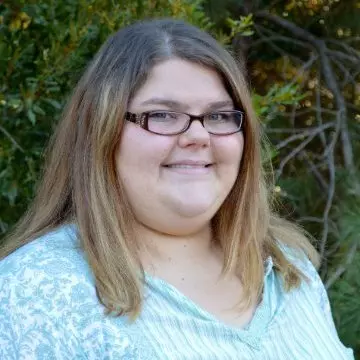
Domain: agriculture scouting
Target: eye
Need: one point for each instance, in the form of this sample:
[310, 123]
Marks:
[162, 116]
[218, 116]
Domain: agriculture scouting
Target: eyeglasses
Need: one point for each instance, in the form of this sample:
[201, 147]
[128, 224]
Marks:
[173, 123]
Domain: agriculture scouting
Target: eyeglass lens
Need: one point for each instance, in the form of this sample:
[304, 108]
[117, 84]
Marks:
[167, 122]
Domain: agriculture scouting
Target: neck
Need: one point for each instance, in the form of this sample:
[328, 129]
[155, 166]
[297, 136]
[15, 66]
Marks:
[161, 250]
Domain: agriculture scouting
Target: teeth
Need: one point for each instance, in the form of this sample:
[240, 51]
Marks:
[183, 166]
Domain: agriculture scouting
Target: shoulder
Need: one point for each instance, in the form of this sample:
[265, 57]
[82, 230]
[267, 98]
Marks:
[311, 285]
[60, 245]
[48, 302]
[309, 304]
[300, 260]
[46, 269]
[38, 282]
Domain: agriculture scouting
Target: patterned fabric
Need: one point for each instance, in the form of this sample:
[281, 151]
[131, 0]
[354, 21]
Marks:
[49, 310]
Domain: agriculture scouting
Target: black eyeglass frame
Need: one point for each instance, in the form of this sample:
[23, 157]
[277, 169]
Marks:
[143, 118]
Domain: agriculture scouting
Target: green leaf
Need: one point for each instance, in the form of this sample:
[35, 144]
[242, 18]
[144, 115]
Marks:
[31, 116]
[12, 194]
[53, 103]
[38, 110]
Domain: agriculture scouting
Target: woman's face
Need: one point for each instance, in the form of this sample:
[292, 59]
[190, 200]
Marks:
[168, 187]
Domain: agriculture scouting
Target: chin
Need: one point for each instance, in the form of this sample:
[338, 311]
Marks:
[201, 209]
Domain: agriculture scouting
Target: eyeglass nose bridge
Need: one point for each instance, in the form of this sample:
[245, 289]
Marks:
[192, 118]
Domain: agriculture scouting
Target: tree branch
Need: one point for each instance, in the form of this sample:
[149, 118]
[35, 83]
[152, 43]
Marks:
[342, 267]
[349, 49]
[329, 78]
[312, 132]
[292, 154]
[280, 38]
[313, 169]
[277, 48]
[347, 76]
[319, 110]
[14, 142]
[342, 56]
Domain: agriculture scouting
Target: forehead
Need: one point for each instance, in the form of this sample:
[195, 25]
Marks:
[188, 83]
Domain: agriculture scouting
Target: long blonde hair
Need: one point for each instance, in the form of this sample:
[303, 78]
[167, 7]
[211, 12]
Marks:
[79, 184]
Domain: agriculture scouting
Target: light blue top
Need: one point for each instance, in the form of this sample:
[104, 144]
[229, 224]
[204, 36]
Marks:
[49, 310]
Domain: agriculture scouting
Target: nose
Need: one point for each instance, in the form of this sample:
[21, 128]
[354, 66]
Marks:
[195, 135]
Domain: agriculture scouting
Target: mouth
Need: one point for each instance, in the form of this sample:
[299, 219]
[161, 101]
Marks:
[189, 169]
[188, 166]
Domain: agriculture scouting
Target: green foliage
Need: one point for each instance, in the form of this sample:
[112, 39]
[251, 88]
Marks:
[243, 27]
[292, 97]
[346, 303]
[345, 293]
[44, 47]
[268, 105]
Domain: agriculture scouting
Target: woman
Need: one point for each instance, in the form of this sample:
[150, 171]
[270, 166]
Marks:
[151, 236]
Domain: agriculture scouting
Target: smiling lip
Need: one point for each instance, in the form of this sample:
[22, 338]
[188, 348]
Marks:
[190, 167]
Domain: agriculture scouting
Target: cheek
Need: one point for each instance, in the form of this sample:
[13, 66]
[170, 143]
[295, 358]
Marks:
[141, 152]
[229, 150]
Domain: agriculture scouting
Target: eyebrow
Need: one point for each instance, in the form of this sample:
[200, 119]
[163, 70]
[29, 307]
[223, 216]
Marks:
[173, 104]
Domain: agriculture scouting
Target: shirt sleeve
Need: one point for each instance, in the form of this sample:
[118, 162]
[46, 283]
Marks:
[302, 262]
[320, 293]
[317, 294]
[322, 299]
